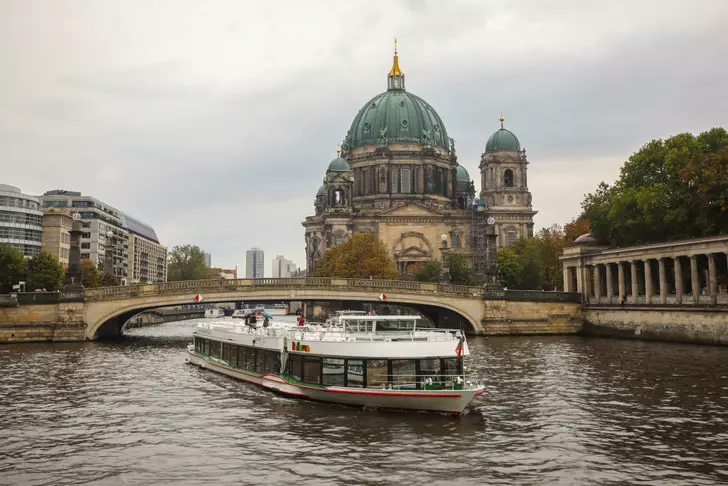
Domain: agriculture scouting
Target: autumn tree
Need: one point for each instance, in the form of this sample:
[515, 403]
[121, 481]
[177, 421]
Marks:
[45, 272]
[186, 262]
[90, 274]
[13, 267]
[361, 256]
[669, 189]
[458, 266]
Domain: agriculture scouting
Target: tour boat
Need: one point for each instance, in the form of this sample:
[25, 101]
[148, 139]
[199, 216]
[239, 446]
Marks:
[214, 312]
[384, 362]
[335, 320]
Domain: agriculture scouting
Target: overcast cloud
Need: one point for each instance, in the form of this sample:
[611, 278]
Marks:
[215, 121]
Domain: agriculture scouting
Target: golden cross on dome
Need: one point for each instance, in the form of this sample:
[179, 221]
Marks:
[501, 120]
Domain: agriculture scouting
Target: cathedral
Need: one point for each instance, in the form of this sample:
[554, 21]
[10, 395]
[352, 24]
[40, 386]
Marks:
[397, 176]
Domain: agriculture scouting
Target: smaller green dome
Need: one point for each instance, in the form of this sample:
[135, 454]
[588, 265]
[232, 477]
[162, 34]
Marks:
[462, 174]
[502, 140]
[338, 165]
[321, 191]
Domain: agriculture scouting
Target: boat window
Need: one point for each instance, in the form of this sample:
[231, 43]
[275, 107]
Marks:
[250, 359]
[386, 325]
[260, 360]
[206, 347]
[334, 372]
[233, 356]
[404, 373]
[312, 369]
[355, 373]
[376, 373]
[429, 368]
[451, 366]
[272, 362]
[226, 352]
[216, 349]
[294, 366]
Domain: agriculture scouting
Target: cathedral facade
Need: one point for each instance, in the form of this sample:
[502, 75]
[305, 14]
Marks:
[397, 176]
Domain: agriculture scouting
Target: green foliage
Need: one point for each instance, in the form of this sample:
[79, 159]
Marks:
[45, 272]
[361, 256]
[458, 265]
[429, 272]
[13, 268]
[186, 262]
[533, 263]
[669, 189]
[90, 274]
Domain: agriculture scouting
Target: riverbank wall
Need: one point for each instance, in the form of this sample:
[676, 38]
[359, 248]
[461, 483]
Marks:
[528, 318]
[707, 325]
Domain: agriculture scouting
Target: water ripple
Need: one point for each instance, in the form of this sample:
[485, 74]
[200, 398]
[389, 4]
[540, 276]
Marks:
[559, 410]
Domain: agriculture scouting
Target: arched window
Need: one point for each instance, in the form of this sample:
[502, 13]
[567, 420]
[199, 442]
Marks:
[339, 198]
[508, 178]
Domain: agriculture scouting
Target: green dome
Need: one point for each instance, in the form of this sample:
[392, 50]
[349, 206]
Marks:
[397, 116]
[338, 165]
[462, 174]
[321, 191]
[502, 140]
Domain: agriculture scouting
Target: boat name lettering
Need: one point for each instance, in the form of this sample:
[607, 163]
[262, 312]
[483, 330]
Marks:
[300, 347]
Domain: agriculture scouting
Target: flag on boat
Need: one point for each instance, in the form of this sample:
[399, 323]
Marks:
[459, 347]
[198, 298]
[382, 297]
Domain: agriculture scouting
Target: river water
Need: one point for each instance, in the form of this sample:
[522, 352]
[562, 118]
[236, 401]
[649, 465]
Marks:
[557, 410]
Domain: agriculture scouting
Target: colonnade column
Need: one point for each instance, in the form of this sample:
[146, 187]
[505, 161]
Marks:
[610, 287]
[663, 280]
[678, 280]
[695, 282]
[712, 281]
[567, 280]
[597, 283]
[635, 287]
[580, 279]
[648, 282]
[620, 280]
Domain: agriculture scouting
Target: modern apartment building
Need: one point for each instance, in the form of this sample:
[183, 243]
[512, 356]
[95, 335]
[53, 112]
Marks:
[21, 221]
[254, 264]
[57, 224]
[208, 260]
[282, 267]
[147, 257]
[103, 226]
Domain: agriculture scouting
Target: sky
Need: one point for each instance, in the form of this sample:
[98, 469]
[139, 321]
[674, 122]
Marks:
[214, 121]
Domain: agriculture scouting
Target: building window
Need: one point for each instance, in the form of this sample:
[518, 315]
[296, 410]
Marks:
[510, 237]
[508, 178]
[338, 238]
[456, 240]
[374, 187]
[365, 176]
[406, 181]
[85, 246]
[395, 180]
[416, 180]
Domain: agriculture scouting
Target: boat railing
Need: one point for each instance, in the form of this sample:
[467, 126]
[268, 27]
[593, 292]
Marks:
[437, 381]
[328, 334]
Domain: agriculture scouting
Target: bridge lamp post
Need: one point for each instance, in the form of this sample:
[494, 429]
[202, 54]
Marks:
[111, 243]
[445, 261]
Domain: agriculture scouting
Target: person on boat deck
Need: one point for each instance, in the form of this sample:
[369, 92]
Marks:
[253, 320]
[266, 322]
[300, 320]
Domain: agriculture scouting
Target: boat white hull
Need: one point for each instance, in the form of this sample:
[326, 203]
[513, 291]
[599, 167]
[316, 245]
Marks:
[443, 401]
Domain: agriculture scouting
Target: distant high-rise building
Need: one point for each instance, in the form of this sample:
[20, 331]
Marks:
[282, 267]
[21, 221]
[254, 265]
[208, 260]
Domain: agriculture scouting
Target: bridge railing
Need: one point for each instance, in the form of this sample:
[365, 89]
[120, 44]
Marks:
[221, 285]
[543, 296]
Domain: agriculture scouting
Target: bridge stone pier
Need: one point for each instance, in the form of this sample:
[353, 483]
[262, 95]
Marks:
[103, 312]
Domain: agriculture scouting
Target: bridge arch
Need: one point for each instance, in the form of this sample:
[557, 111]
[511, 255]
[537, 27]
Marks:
[108, 309]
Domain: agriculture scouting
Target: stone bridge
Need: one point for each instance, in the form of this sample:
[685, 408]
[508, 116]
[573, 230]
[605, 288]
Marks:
[103, 312]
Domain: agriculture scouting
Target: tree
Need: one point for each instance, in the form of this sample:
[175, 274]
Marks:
[361, 256]
[669, 189]
[45, 272]
[533, 263]
[429, 272]
[13, 267]
[510, 267]
[575, 229]
[90, 274]
[186, 262]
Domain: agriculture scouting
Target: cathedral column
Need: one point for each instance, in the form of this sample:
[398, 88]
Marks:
[712, 281]
[610, 289]
[694, 280]
[620, 281]
[678, 280]
[648, 282]
[635, 285]
[663, 280]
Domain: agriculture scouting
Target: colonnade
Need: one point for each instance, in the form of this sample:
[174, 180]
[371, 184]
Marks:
[680, 279]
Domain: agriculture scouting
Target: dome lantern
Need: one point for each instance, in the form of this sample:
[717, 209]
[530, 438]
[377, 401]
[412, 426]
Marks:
[395, 80]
